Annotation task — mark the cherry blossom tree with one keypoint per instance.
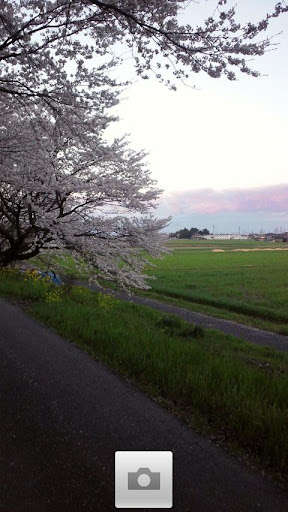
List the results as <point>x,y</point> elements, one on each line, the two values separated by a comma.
<point>63,192</point>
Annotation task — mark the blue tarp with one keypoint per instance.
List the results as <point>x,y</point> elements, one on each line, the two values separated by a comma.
<point>54,278</point>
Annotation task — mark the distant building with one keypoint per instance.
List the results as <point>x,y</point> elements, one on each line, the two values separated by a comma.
<point>198,237</point>
<point>226,236</point>
<point>281,237</point>
<point>269,237</point>
<point>257,237</point>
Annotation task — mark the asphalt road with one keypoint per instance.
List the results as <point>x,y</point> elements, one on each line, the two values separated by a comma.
<point>251,334</point>
<point>63,416</point>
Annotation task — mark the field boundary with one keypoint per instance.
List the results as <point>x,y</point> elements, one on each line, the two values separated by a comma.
<point>260,312</point>
<point>247,333</point>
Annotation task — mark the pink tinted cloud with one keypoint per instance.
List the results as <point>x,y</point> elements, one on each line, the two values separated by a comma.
<point>273,199</point>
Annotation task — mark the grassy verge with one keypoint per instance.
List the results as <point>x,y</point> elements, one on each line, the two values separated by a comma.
<point>245,319</point>
<point>233,306</point>
<point>233,391</point>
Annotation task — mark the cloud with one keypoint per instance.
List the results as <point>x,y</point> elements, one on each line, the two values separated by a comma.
<point>209,201</point>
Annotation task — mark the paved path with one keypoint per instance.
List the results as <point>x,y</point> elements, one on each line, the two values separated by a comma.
<point>244,332</point>
<point>63,415</point>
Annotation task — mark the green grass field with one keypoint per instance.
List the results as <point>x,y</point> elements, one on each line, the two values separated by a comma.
<point>233,391</point>
<point>242,280</point>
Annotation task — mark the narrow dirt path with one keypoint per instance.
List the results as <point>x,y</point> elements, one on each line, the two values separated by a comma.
<point>244,332</point>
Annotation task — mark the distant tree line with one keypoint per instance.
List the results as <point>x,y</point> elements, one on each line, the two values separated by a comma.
<point>189,233</point>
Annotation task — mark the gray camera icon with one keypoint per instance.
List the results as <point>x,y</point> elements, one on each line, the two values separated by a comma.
<point>135,485</point>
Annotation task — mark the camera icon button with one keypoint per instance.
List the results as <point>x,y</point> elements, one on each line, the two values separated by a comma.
<point>143,479</point>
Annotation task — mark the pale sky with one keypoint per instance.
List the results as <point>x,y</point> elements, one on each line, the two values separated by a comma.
<point>219,152</point>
